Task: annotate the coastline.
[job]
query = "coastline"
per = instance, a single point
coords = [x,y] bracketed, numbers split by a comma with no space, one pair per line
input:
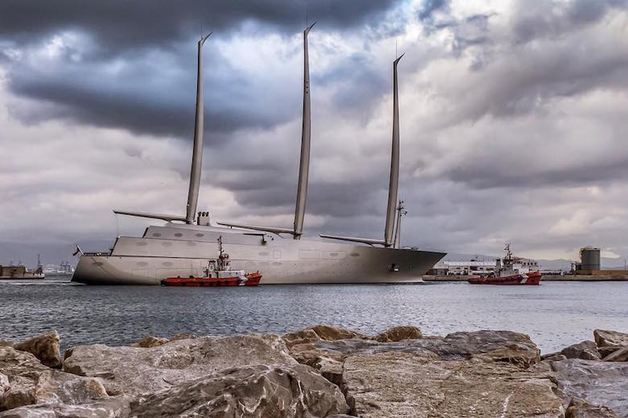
[320,371]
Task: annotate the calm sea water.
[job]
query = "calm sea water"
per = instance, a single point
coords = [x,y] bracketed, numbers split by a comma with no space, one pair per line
[553,314]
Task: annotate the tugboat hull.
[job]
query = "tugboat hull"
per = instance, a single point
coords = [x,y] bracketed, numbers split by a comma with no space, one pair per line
[533,278]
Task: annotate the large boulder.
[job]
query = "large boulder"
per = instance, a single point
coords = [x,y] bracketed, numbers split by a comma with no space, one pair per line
[503,346]
[397,384]
[30,382]
[135,370]
[400,333]
[598,383]
[252,391]
[45,347]
[586,350]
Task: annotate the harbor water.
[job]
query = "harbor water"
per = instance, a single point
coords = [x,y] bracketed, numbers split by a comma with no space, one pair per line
[554,314]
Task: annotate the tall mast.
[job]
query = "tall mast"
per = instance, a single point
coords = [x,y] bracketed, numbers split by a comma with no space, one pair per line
[306,131]
[197,153]
[393,186]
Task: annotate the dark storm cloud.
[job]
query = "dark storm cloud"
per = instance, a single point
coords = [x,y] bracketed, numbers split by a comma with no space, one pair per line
[120,25]
[145,99]
[154,93]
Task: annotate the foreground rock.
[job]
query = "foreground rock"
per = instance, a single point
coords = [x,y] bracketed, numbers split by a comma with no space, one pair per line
[323,371]
[45,347]
[598,383]
[24,380]
[410,385]
[136,371]
[253,391]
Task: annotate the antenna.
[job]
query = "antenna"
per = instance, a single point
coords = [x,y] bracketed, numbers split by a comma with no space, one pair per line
[396,53]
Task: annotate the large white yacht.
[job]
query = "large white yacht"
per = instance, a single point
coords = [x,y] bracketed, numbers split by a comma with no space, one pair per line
[184,245]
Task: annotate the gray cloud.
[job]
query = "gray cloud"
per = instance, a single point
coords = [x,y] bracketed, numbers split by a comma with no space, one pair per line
[534,20]
[500,108]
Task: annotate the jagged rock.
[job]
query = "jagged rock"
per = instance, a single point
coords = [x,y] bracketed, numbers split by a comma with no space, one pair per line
[553,357]
[580,409]
[595,382]
[177,337]
[400,333]
[320,333]
[134,370]
[253,391]
[619,355]
[150,341]
[4,343]
[606,338]
[586,350]
[30,382]
[109,408]
[609,341]
[45,347]
[4,383]
[397,384]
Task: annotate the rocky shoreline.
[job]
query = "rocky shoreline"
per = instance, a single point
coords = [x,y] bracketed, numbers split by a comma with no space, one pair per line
[321,371]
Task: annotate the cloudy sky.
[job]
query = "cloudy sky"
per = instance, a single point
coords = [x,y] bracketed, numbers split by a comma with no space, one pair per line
[514,119]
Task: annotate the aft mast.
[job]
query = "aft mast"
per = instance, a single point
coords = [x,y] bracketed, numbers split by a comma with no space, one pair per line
[393,185]
[306,132]
[197,153]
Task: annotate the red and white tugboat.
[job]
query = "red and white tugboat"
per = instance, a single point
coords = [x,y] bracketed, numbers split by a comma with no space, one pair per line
[513,271]
[217,273]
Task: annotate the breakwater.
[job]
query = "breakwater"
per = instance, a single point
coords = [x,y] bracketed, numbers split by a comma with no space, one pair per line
[545,278]
[321,371]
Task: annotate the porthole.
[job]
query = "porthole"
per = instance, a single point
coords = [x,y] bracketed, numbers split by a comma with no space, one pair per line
[178,234]
[200,235]
[156,234]
[355,254]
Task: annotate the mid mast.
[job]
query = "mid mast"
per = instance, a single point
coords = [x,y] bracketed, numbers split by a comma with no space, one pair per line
[304,163]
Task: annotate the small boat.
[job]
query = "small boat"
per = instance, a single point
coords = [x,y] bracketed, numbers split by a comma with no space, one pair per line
[217,274]
[508,274]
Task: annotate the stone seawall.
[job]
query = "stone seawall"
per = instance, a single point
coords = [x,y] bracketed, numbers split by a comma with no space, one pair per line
[545,278]
[321,371]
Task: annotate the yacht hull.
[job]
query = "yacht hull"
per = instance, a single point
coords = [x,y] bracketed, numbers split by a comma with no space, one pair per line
[186,251]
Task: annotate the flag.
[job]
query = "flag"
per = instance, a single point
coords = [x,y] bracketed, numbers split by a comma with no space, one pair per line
[78,250]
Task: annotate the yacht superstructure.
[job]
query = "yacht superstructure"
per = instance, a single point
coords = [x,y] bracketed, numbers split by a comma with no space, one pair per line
[185,244]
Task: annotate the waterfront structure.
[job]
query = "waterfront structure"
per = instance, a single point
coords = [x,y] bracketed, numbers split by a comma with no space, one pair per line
[185,244]
[20,272]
